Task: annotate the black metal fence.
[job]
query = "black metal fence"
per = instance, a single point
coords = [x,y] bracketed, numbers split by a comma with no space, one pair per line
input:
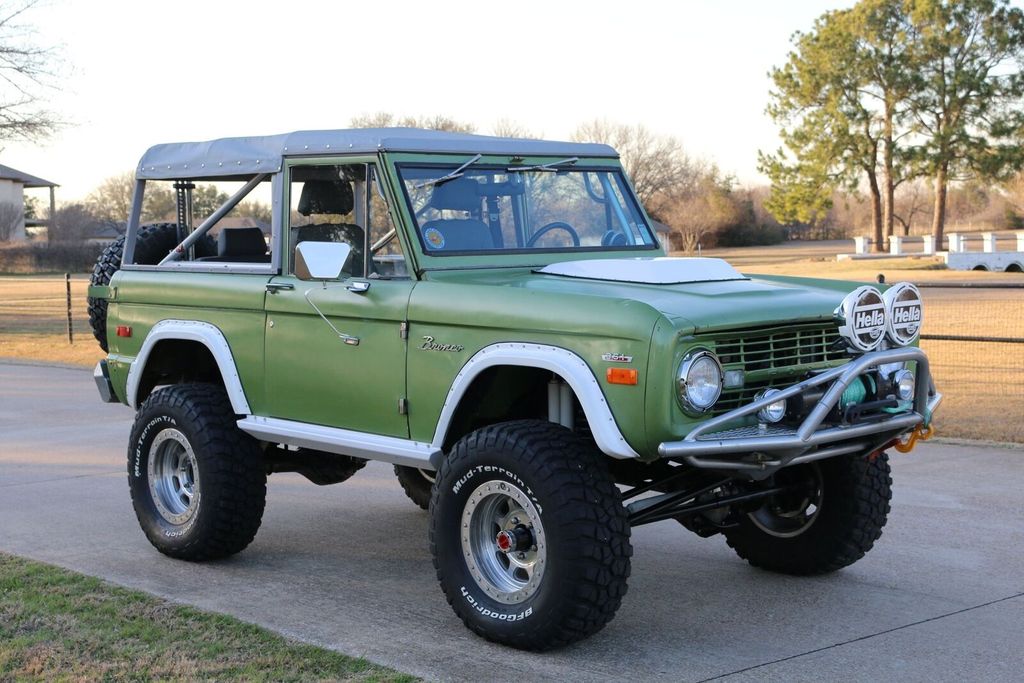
[974,336]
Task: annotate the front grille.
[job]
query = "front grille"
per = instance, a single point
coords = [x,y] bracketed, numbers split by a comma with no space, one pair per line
[732,399]
[779,347]
[765,355]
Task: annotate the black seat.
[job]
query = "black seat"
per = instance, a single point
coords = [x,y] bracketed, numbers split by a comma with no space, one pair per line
[333,197]
[240,245]
[457,234]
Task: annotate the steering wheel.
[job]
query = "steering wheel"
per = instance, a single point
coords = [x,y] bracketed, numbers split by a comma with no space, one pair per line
[554,225]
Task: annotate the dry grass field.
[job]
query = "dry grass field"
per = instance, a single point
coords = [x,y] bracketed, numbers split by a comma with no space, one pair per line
[983,383]
[33,320]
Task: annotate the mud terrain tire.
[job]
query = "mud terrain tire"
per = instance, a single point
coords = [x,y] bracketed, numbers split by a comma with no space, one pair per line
[554,495]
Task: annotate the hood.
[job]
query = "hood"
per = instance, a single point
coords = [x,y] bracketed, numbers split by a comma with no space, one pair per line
[648,271]
[701,294]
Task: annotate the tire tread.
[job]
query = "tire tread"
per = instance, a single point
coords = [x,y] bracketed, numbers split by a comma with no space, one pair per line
[590,506]
[234,479]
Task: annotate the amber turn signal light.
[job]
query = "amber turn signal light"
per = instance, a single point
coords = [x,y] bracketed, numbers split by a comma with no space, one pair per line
[621,376]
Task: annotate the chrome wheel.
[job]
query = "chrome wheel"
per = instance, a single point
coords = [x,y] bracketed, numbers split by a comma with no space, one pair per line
[789,514]
[173,476]
[503,542]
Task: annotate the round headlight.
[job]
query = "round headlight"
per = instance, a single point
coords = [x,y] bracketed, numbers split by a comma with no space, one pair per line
[700,381]
[773,412]
[904,383]
[903,313]
[861,318]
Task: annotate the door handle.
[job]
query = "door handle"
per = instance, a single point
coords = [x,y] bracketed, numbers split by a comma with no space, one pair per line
[358,287]
[275,287]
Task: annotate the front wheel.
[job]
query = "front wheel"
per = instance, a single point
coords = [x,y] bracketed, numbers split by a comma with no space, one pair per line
[830,516]
[198,483]
[529,536]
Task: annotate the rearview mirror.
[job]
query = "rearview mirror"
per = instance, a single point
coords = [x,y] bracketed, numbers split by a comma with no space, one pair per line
[321,260]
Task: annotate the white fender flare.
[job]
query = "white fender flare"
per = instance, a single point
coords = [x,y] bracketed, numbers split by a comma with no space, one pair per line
[190,330]
[563,362]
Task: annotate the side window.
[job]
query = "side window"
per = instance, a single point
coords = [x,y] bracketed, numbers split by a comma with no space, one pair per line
[328,204]
[386,257]
[172,209]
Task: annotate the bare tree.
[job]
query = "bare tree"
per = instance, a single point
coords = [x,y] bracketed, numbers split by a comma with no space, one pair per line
[696,218]
[911,201]
[10,218]
[1013,190]
[506,128]
[26,69]
[72,223]
[661,170]
[112,200]
[383,119]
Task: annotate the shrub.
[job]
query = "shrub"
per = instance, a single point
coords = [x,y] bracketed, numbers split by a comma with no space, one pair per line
[49,257]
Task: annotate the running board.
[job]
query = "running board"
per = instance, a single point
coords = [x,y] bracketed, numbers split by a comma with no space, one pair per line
[343,442]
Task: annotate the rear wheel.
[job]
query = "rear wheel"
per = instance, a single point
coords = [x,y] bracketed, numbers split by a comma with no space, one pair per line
[529,535]
[198,483]
[831,516]
[416,483]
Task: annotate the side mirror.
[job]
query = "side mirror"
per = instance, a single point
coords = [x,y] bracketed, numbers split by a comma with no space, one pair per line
[321,260]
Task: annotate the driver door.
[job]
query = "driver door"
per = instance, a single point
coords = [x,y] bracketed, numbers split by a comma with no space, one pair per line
[336,350]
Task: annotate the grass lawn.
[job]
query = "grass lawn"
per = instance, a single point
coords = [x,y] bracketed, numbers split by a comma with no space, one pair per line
[56,625]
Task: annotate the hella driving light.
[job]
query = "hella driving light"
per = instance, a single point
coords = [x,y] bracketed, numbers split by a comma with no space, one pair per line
[904,384]
[862,319]
[700,381]
[773,412]
[904,312]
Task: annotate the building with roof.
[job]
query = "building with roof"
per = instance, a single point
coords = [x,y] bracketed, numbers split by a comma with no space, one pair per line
[13,184]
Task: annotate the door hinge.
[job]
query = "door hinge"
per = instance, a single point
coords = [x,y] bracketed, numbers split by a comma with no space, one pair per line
[403,406]
[403,329]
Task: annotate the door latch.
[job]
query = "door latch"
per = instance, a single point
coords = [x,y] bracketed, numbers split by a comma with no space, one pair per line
[275,287]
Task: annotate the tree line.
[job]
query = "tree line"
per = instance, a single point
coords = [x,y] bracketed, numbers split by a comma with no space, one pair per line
[892,114]
[890,92]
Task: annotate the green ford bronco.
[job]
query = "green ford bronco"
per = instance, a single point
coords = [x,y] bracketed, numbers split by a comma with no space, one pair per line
[496,318]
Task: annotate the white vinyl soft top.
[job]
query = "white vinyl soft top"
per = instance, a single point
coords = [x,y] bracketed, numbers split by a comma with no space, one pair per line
[265,154]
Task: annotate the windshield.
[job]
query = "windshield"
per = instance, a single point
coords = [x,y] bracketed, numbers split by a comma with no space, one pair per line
[469,209]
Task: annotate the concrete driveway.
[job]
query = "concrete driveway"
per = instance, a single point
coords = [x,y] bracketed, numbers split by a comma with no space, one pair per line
[941,597]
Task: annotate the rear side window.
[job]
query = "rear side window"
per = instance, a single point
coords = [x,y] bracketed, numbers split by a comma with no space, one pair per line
[173,209]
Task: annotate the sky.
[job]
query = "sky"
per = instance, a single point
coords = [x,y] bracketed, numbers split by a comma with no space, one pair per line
[138,73]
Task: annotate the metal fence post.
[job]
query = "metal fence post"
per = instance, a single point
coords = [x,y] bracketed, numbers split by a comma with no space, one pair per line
[67,289]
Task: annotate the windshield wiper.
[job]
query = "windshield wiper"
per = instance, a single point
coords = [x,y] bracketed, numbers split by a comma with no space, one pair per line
[457,173]
[551,166]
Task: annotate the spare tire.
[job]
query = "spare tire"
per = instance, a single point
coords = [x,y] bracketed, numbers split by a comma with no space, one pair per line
[152,243]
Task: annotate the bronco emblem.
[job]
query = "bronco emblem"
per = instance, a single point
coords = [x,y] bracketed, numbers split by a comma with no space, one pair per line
[430,345]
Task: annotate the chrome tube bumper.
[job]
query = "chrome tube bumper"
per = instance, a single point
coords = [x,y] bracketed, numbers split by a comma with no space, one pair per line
[773,446]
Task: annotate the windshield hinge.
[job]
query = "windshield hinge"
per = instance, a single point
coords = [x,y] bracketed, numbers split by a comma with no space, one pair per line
[403,329]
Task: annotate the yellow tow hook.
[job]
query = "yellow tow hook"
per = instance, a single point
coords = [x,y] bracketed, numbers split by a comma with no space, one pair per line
[921,432]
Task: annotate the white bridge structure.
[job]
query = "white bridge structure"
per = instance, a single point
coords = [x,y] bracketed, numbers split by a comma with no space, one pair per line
[962,253]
